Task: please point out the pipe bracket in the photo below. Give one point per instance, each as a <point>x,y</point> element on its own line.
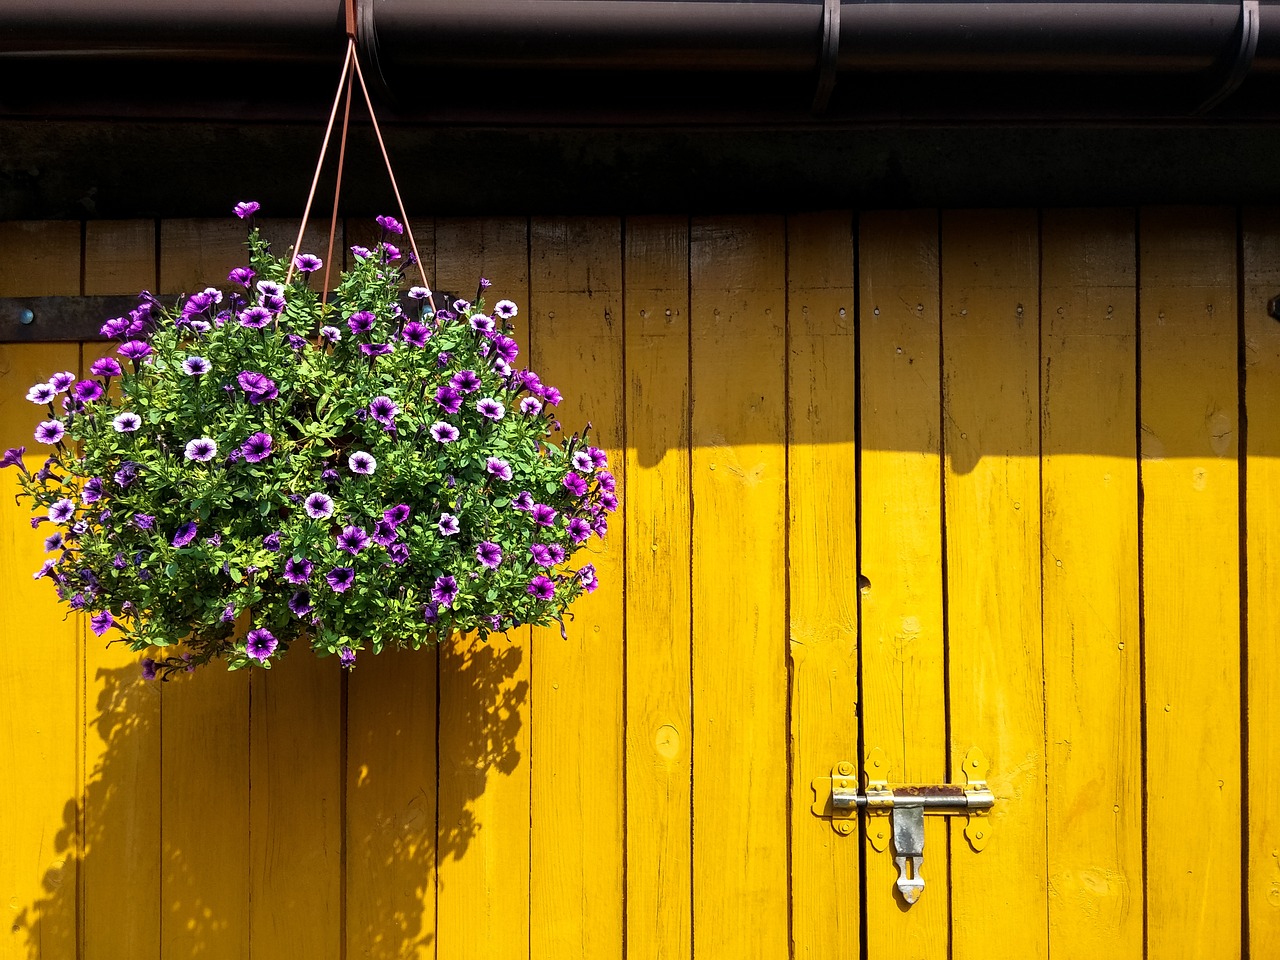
<point>1236,67</point>
<point>828,56</point>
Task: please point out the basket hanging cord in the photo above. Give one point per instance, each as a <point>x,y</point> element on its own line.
<point>337,188</point>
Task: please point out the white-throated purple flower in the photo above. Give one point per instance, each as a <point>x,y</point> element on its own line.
<point>202,449</point>
<point>61,381</point>
<point>362,463</point>
<point>270,288</point>
<point>491,408</point>
<point>255,318</point>
<point>257,448</point>
<point>126,422</point>
<point>443,432</point>
<point>62,510</point>
<point>497,467</point>
<point>376,349</point>
<point>195,366</point>
<point>489,554</point>
<point>448,399</point>
<point>587,577</point>
<point>50,431</point>
<point>522,501</point>
<point>201,326</point>
<point>465,381</point>
<point>461,306</point>
<point>582,461</point>
<point>543,515</point>
<point>134,350</point>
<point>361,322</point>
<point>247,208</point>
<point>575,484</point>
<point>389,224</point>
<point>242,276</point>
<point>332,334</point>
<point>300,603</point>
<point>419,293</point>
<point>42,393</point>
<point>340,578</point>
<point>318,506</point>
<point>364,253</point>
<point>482,323</point>
<point>106,367</point>
<point>260,644</point>
<point>542,587</point>
<point>101,622</point>
<point>384,410</point>
<point>416,334</point>
<point>298,570</point>
<point>184,534</point>
<point>531,406</point>
<point>352,540</point>
<point>307,262</point>
<point>505,309</point>
<point>447,525</point>
<point>444,591</point>
<point>46,570</point>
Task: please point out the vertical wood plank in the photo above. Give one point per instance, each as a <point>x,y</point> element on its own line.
<point>1191,579</point>
<point>577,881</point>
<point>484,688</point>
<point>823,571</point>
<point>903,662</point>
<point>1089,483</point>
<point>1262,403</point>
<point>205,725</point>
<point>40,695</point>
<point>122,736</point>
<point>992,493</point>
<point>740,856</point>
<point>659,735</point>
<point>295,816</point>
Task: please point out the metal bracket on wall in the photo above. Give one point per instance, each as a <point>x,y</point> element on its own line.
<point>58,319</point>
<point>838,799</point>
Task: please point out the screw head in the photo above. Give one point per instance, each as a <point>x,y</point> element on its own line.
<point>844,828</point>
<point>26,316</point>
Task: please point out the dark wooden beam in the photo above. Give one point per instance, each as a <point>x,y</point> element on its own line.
<point>50,319</point>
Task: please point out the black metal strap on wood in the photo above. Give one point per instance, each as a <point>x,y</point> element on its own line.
<point>1235,66</point>
<point>828,56</point>
<point>58,319</point>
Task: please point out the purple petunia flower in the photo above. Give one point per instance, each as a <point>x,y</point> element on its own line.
<point>505,309</point>
<point>431,612</point>
<point>61,381</point>
<point>541,553</point>
<point>598,457</point>
<point>307,262</point>
<point>106,367</point>
<point>53,542</point>
<point>332,334</point>
<point>361,322</point>
<point>489,554</point>
<point>465,381</point>
<point>362,463</point>
<point>491,408</point>
<point>390,252</point>
<point>295,342</point>
<point>318,506</point>
<point>340,578</point>
<point>449,400</point>
<point>228,613</point>
<point>260,644</point>
<point>195,366</point>
<point>242,276</point>
<point>46,570</point>
<point>144,521</point>
<point>134,350</point>
<point>201,326</point>
<point>298,570</point>
<point>257,448</point>
<point>101,622</point>
<point>390,224</point>
<point>587,577</point>
<point>384,410</point>
<point>300,603</point>
<point>556,552</point>
<point>447,525</point>
<point>542,587</point>
<point>148,668</point>
<point>579,530</point>
<point>523,501</point>
<point>13,458</point>
<point>247,208</point>
<point>506,348</point>
<point>364,253</point>
<point>255,318</point>
<point>461,306</point>
<point>62,510</point>
<point>257,387</point>
<point>346,657</point>
<point>126,422</point>
<point>384,534</point>
<point>416,334</point>
<point>398,552</point>
<point>50,431</point>
<point>482,323</point>
<point>606,481</point>
<point>127,473</point>
<point>609,501</point>
<point>575,484</point>
<point>396,515</point>
<point>185,534</point>
<point>600,524</point>
<point>92,491</point>
<point>419,293</point>
<point>543,515</point>
<point>352,540</point>
<point>498,467</point>
<point>42,393</point>
<point>376,349</point>
<point>272,541</point>
<point>114,328</point>
<point>444,432</point>
<point>531,406</point>
<point>202,449</point>
<point>582,461</point>
<point>551,395</point>
<point>445,591</point>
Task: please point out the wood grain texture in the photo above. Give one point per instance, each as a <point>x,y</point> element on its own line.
<point>576,743</point>
<point>122,732</point>
<point>1262,402</point>
<point>822,564</point>
<point>992,492</point>
<point>659,590</point>
<point>39,258</point>
<point>195,254</point>
<point>1191,569</point>
<point>484,688</point>
<point>1093,702</point>
<point>903,664</point>
<point>740,857</point>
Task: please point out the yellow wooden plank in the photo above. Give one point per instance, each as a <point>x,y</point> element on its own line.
<point>823,571</point>
<point>991,391</point>
<point>122,736</point>
<point>39,687</point>
<point>1092,669</point>
<point>904,709</point>
<point>737,317</point>
<point>391,807</point>
<point>1262,480</point>
<point>1191,587</point>
<point>205,725</point>
<point>40,258</point>
<point>484,709</point>
<point>659,734</point>
<point>576,749</point>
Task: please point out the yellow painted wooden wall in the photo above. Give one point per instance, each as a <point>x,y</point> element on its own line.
<point>916,481</point>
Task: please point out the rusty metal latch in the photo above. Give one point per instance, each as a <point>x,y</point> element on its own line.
<point>838,799</point>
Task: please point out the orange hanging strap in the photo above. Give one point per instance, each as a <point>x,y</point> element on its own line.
<point>337,190</point>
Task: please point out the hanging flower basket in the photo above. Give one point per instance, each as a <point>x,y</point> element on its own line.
<point>255,467</point>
